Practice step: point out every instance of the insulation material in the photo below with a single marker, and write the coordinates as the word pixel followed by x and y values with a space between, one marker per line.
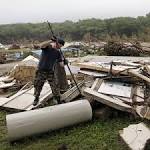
pixel 30 61
pixel 23 73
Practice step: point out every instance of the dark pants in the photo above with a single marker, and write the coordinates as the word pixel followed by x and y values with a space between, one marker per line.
pixel 40 78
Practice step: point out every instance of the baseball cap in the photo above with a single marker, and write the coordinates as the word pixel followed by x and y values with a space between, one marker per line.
pixel 61 41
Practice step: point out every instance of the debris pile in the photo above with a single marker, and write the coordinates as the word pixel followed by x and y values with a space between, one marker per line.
pixel 20 74
pixel 113 48
pixel 112 82
pixel 123 85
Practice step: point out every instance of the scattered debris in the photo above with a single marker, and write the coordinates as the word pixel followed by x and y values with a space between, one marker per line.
pixel 23 99
pixel 116 48
pixel 121 83
pixel 136 136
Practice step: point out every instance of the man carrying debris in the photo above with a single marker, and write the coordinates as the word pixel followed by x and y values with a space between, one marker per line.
pixel 49 57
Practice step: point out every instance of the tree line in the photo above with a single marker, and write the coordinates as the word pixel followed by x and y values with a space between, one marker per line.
pixel 89 30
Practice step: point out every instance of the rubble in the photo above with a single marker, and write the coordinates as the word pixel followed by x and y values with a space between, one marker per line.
pixel 23 99
pixel 116 83
pixel 115 48
pixel 136 136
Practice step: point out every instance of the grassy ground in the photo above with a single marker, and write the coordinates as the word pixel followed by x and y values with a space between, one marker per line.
pixel 93 135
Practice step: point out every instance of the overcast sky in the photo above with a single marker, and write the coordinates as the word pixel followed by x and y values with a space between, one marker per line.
pixel 18 11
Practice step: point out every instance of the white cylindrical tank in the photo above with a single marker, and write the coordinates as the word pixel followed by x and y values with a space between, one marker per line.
pixel 32 122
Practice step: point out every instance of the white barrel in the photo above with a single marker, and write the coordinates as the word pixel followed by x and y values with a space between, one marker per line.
pixel 32 122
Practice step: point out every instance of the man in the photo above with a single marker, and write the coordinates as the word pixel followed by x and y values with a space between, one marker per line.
pixel 49 57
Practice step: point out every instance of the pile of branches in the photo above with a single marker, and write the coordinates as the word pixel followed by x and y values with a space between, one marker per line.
pixel 115 48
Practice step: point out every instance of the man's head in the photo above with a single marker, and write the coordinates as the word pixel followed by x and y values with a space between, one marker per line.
pixel 58 41
pixel 61 41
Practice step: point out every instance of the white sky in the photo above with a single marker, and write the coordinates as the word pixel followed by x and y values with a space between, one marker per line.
pixel 17 11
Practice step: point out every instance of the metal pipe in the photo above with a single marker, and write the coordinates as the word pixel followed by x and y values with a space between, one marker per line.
pixel 32 122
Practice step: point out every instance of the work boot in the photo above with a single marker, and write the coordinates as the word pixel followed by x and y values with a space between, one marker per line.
pixel 36 100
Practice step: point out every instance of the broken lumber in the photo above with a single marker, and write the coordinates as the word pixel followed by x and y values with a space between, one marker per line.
pixel 72 93
pixel 105 67
pixel 96 84
pixel 143 111
pixel 139 75
pixel 23 100
pixel 107 100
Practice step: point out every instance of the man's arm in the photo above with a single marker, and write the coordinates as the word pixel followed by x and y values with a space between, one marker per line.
pixel 45 44
pixel 64 62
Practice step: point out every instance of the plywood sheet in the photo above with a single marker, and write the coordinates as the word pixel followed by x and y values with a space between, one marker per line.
pixel 115 88
pixel 24 99
pixel 107 100
pixel 136 136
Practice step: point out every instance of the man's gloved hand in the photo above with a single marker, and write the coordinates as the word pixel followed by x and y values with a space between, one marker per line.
pixel 54 38
pixel 66 61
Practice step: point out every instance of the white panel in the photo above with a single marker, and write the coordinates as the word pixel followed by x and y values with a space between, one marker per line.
pixel 115 88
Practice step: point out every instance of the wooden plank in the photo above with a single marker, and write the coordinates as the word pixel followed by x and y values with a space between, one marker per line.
pixel 7 85
pixel 133 72
pixel 115 88
pixel 96 84
pixel 136 136
pixel 99 66
pixel 23 100
pixel 138 96
pixel 148 68
pixel 107 100
pixel 143 111
pixel 124 99
pixel 6 79
pixel 92 73
pixel 126 63
pixel 72 93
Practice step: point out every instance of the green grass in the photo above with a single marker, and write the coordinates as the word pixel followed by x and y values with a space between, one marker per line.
pixel 93 135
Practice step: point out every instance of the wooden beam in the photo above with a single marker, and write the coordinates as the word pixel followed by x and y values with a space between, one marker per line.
pixel 96 84
pixel 71 93
pixel 107 100
pixel 133 72
pixel 98 66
